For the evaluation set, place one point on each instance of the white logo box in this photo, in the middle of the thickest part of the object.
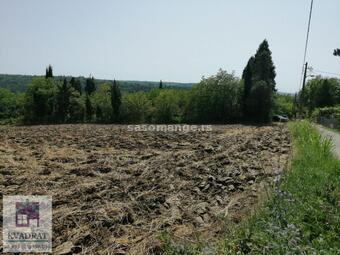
(27, 224)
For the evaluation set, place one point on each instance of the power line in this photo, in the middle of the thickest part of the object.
(307, 40)
(330, 73)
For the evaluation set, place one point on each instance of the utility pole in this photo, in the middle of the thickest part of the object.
(304, 77)
(305, 64)
(302, 90)
(307, 38)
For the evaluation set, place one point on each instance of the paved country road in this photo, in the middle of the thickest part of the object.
(335, 137)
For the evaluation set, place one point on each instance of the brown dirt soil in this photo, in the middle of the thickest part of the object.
(114, 191)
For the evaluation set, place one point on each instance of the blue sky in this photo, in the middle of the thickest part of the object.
(172, 40)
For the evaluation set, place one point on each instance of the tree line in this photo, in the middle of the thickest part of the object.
(321, 96)
(220, 98)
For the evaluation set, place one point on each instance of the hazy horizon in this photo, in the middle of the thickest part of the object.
(174, 41)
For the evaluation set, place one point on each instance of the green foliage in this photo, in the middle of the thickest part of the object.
(166, 106)
(89, 110)
(40, 101)
(50, 101)
(171, 248)
(328, 112)
(221, 98)
(76, 107)
(260, 102)
(116, 100)
(263, 68)
(284, 105)
(247, 78)
(259, 85)
(11, 105)
(215, 99)
(90, 86)
(15, 83)
(19, 83)
(76, 85)
(336, 52)
(321, 92)
(63, 95)
(302, 217)
(49, 72)
(136, 108)
(102, 104)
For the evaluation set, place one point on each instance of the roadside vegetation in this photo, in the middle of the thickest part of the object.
(321, 98)
(302, 216)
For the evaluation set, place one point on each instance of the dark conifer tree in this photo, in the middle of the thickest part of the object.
(88, 109)
(90, 86)
(75, 83)
(336, 52)
(116, 100)
(260, 72)
(49, 72)
(99, 114)
(247, 77)
(63, 101)
(161, 84)
(263, 68)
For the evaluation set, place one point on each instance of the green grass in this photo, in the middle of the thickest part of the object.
(301, 217)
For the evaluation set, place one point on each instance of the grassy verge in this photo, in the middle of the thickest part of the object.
(303, 214)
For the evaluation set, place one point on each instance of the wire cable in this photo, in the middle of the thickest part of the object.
(307, 40)
(324, 72)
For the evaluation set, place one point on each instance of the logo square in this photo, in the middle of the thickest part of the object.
(27, 224)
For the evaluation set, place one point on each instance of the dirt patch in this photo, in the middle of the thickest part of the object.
(114, 191)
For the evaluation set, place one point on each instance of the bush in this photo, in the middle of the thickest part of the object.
(321, 92)
(101, 100)
(136, 108)
(11, 105)
(284, 105)
(166, 107)
(215, 99)
(40, 101)
(328, 112)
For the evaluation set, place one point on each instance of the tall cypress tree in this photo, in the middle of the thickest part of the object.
(116, 100)
(247, 77)
(75, 83)
(90, 86)
(336, 52)
(161, 84)
(63, 101)
(49, 72)
(263, 68)
(259, 85)
(88, 109)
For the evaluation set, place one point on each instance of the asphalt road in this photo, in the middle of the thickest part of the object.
(334, 136)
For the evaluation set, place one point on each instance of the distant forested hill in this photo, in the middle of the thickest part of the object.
(19, 83)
